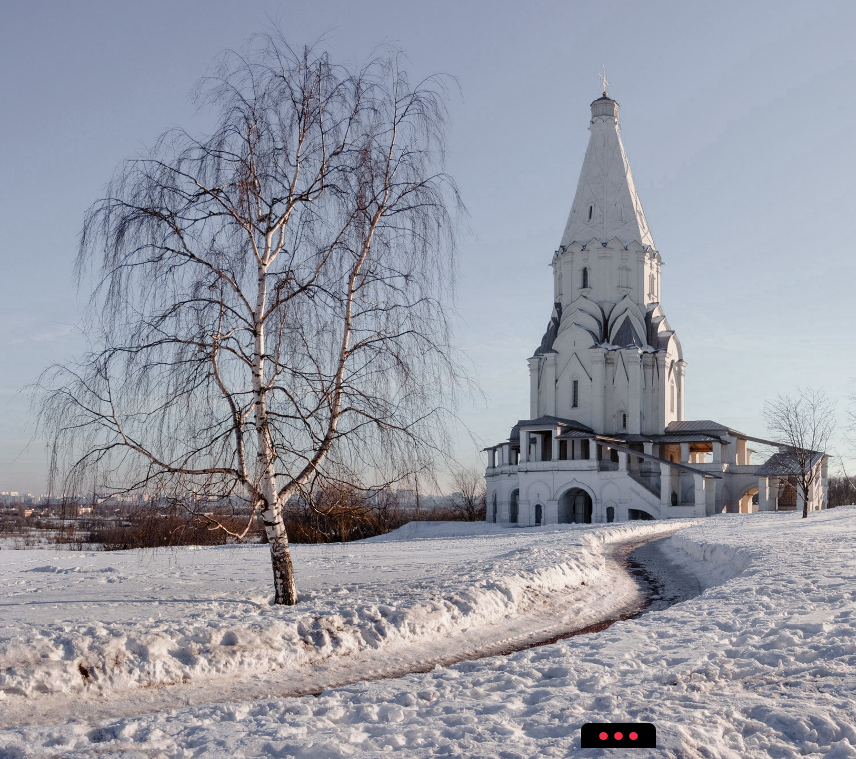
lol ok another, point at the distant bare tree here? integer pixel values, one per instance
(469, 499)
(330, 513)
(270, 299)
(842, 491)
(804, 423)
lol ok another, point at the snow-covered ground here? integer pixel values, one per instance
(101, 622)
(763, 663)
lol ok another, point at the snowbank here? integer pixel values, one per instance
(434, 530)
(711, 563)
(96, 622)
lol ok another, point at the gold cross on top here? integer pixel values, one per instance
(603, 79)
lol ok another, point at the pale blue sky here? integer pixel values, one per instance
(737, 118)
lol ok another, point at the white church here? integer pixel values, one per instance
(607, 439)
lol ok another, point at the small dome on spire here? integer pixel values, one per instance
(604, 106)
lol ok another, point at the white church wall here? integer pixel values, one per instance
(574, 363)
(502, 486)
(537, 492)
(610, 494)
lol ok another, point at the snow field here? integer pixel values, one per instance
(103, 622)
(763, 665)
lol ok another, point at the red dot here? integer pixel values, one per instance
(619, 736)
(633, 736)
(603, 736)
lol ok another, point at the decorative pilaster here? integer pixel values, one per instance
(598, 360)
(548, 387)
(764, 502)
(568, 285)
(665, 487)
(634, 402)
(661, 396)
(700, 501)
(648, 422)
(534, 365)
(551, 512)
(681, 366)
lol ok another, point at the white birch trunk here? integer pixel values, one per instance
(285, 590)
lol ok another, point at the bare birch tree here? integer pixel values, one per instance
(804, 423)
(270, 300)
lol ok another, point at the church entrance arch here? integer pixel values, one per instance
(512, 506)
(575, 507)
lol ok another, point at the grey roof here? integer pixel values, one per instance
(575, 434)
(707, 425)
(547, 421)
(696, 425)
(626, 335)
(784, 463)
(552, 330)
(698, 437)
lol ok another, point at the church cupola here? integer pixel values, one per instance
(604, 106)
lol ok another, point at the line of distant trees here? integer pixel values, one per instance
(842, 491)
(335, 512)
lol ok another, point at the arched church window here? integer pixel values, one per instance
(575, 394)
(591, 211)
(651, 285)
(624, 421)
(585, 277)
(672, 404)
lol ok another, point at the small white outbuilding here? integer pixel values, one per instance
(607, 439)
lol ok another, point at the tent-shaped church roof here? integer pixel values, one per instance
(606, 205)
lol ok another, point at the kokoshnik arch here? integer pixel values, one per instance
(607, 439)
